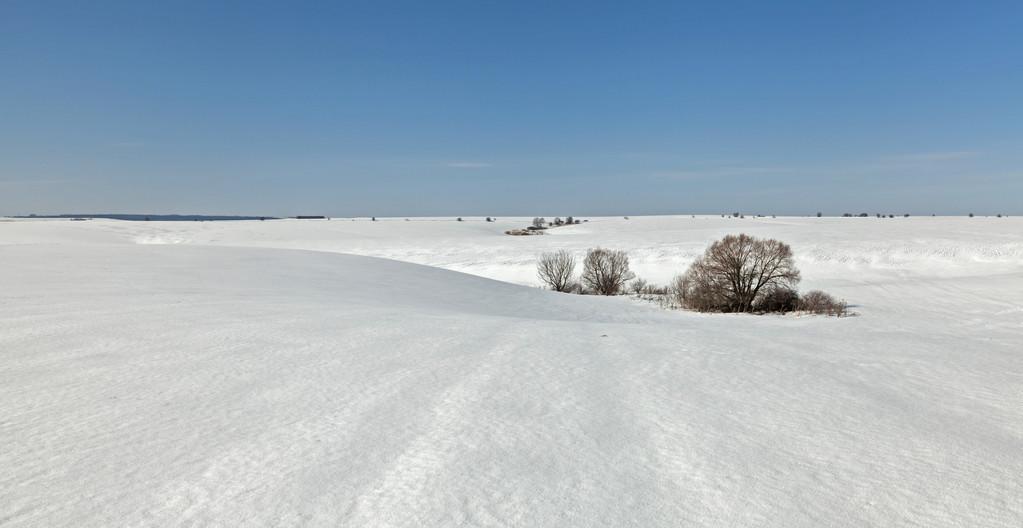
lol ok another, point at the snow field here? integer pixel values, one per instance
(246, 373)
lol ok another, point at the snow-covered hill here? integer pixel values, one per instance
(222, 374)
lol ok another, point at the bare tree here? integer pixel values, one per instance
(637, 286)
(556, 269)
(538, 222)
(674, 294)
(736, 270)
(606, 271)
(699, 289)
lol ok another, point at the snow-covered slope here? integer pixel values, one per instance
(659, 246)
(193, 381)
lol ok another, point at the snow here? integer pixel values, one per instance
(279, 374)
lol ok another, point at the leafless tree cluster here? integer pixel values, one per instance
(605, 271)
(740, 273)
(556, 269)
(540, 222)
(819, 302)
(736, 273)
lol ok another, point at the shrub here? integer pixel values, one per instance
(778, 300)
(524, 232)
(606, 271)
(674, 293)
(538, 222)
(736, 271)
(652, 289)
(819, 302)
(696, 290)
(638, 286)
(556, 269)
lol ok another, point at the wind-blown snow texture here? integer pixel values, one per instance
(222, 374)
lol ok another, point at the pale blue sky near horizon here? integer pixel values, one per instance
(402, 108)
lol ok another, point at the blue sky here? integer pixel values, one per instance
(500, 108)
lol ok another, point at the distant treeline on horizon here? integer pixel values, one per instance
(153, 217)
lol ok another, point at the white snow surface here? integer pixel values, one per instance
(278, 373)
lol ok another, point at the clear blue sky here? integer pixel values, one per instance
(500, 108)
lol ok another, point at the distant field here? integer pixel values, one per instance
(827, 249)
